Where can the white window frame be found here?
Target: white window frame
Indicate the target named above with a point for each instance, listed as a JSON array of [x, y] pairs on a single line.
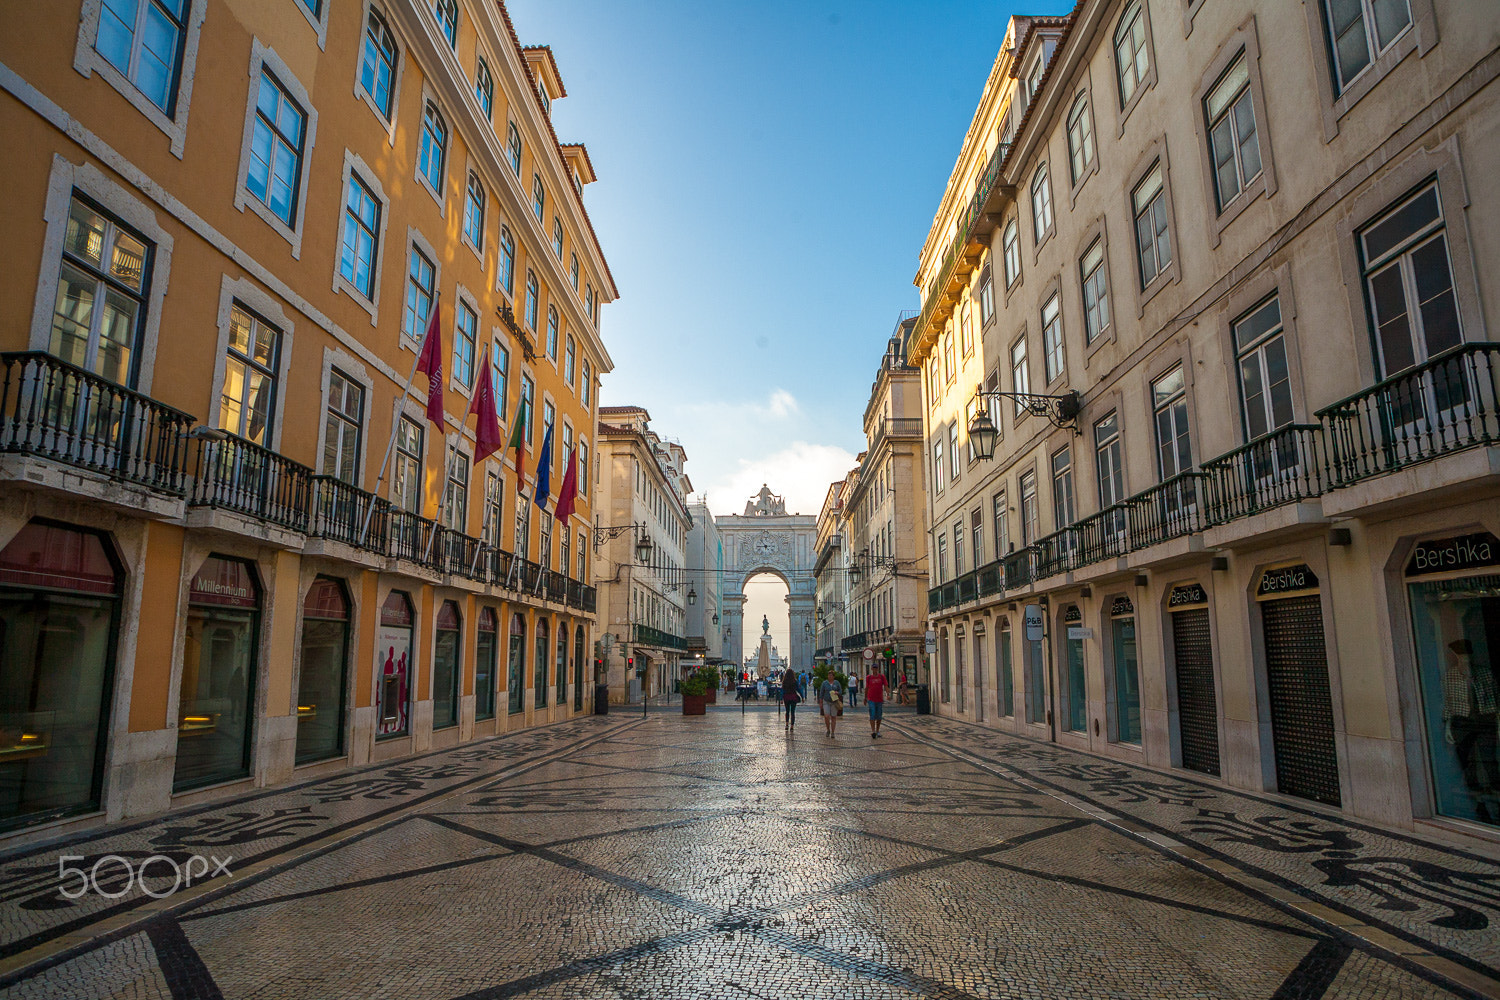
[[429, 100], [269, 309], [262, 58], [355, 166], [387, 122], [1011, 252]]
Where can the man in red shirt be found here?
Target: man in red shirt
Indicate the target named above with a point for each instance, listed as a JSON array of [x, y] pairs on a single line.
[[875, 701]]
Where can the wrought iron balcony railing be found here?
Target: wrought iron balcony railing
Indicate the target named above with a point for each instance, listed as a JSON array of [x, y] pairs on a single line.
[[1282, 467], [233, 474], [55, 410], [348, 514], [648, 636], [1168, 510], [1019, 568]]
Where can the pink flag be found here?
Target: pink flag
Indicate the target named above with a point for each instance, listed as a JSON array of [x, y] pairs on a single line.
[[487, 438], [568, 494], [431, 364]]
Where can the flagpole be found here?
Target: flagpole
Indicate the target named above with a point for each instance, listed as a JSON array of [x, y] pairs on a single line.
[[443, 492], [390, 446]]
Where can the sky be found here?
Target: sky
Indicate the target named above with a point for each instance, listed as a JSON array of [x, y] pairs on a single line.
[[767, 175]]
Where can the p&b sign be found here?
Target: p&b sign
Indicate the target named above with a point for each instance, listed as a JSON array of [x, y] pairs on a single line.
[[1034, 622]]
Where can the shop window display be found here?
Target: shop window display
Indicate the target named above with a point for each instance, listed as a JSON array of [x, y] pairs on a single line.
[[485, 653], [321, 685], [445, 667], [219, 656], [393, 654], [515, 673]]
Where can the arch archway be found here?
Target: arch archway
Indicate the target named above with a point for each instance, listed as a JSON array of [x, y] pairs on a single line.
[[765, 539]]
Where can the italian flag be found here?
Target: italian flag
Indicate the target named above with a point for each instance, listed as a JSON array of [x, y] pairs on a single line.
[[518, 440]]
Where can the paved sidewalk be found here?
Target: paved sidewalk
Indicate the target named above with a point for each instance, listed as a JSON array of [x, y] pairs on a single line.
[[721, 857]]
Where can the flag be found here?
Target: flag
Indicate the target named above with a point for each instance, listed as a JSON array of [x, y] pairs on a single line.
[[518, 440], [543, 489], [487, 432], [430, 363], [568, 493]]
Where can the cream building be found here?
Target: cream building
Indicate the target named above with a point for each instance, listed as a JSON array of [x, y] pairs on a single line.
[[830, 576], [705, 576], [641, 496], [229, 226], [1231, 263]]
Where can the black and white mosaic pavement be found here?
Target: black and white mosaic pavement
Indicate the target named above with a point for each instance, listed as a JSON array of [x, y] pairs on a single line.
[[719, 857]]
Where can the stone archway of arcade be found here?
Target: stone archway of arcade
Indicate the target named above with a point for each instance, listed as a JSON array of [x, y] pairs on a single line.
[[149, 665]]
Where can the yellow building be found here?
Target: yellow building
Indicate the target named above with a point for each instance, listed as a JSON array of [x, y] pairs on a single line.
[[229, 224]]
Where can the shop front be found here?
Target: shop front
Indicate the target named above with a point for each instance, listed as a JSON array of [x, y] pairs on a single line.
[[1301, 700], [59, 613], [445, 666], [321, 687], [393, 667], [1193, 667], [578, 668], [1453, 586], [1075, 708], [486, 657], [220, 652], [539, 664], [515, 678], [1127, 670]]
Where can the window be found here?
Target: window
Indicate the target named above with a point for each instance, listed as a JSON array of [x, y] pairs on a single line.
[[143, 40], [1409, 283], [570, 360], [341, 424], [434, 152], [505, 275], [275, 171], [1012, 252], [552, 332], [420, 281], [456, 496], [557, 237], [1095, 291], [1173, 442], [938, 473], [1002, 525], [541, 92], [953, 460], [549, 418], [958, 547], [986, 297], [465, 337], [942, 556], [446, 12], [1020, 380], [500, 375], [484, 88], [406, 472], [489, 531], [513, 147], [1361, 30], [538, 196], [1052, 338], [1063, 511], [523, 528], [583, 476], [361, 238], [588, 384], [377, 68], [532, 295], [1041, 204], [588, 299], [965, 332], [528, 395], [1153, 244], [1080, 138], [1132, 60], [1232, 140], [1265, 381], [101, 286], [1109, 460], [474, 213], [1034, 78], [949, 368], [248, 400], [314, 7], [976, 528], [1029, 514], [573, 270]]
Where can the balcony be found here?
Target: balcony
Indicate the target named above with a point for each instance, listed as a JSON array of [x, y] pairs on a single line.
[[857, 641], [1018, 569], [236, 475], [556, 586], [894, 427], [53, 410], [1445, 405], [991, 578], [1056, 553], [1286, 466], [645, 635], [1168, 510], [962, 255], [347, 514]]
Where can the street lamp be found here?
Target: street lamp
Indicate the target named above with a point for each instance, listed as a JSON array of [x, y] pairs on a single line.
[[716, 618], [1062, 410], [643, 549], [692, 596]]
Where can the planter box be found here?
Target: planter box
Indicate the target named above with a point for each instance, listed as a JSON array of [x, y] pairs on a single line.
[[694, 704], [713, 696]]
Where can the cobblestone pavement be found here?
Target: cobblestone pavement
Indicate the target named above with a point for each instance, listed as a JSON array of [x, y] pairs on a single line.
[[718, 857]]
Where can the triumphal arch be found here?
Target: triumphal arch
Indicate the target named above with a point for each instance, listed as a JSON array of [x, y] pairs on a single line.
[[766, 539]]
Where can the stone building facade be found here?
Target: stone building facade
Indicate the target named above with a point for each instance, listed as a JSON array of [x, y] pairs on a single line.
[[232, 552], [1236, 259]]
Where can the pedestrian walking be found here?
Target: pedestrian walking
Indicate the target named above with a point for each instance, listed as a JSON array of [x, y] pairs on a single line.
[[831, 702], [875, 701], [802, 684], [853, 691], [790, 698]]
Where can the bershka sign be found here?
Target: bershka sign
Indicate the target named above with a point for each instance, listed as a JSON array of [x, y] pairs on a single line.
[[1285, 580], [1440, 555], [1189, 595]]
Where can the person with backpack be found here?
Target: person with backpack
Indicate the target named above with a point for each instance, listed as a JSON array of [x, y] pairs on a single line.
[[789, 698], [831, 701]]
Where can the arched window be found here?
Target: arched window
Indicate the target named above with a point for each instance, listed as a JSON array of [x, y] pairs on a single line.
[[562, 666], [484, 87], [445, 668], [506, 273], [532, 296], [539, 665], [446, 12], [1132, 58], [434, 151], [474, 212], [485, 658], [513, 148], [538, 197], [321, 688], [377, 70], [552, 332], [515, 670], [570, 359]]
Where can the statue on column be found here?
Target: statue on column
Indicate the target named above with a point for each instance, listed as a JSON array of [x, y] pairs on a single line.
[[765, 625]]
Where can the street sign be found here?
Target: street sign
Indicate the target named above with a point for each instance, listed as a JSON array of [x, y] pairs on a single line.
[[1033, 623], [869, 653], [605, 641], [931, 646]]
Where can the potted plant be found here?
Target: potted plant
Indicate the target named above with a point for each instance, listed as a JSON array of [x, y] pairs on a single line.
[[694, 693], [711, 675]]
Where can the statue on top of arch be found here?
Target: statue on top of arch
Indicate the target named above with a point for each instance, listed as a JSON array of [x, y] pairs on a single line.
[[765, 504]]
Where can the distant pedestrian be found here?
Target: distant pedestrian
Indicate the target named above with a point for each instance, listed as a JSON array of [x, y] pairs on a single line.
[[853, 691], [802, 684], [831, 702], [790, 698], [875, 701], [901, 691]]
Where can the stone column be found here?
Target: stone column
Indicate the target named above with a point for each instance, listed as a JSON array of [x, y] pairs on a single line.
[[800, 612], [734, 621]]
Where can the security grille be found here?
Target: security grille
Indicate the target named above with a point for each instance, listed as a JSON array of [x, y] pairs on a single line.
[[1197, 713], [1301, 704]]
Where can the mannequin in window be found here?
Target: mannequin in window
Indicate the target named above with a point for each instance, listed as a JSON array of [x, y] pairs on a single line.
[[1469, 718]]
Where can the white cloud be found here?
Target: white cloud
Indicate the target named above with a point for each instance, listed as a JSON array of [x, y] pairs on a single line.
[[800, 472]]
